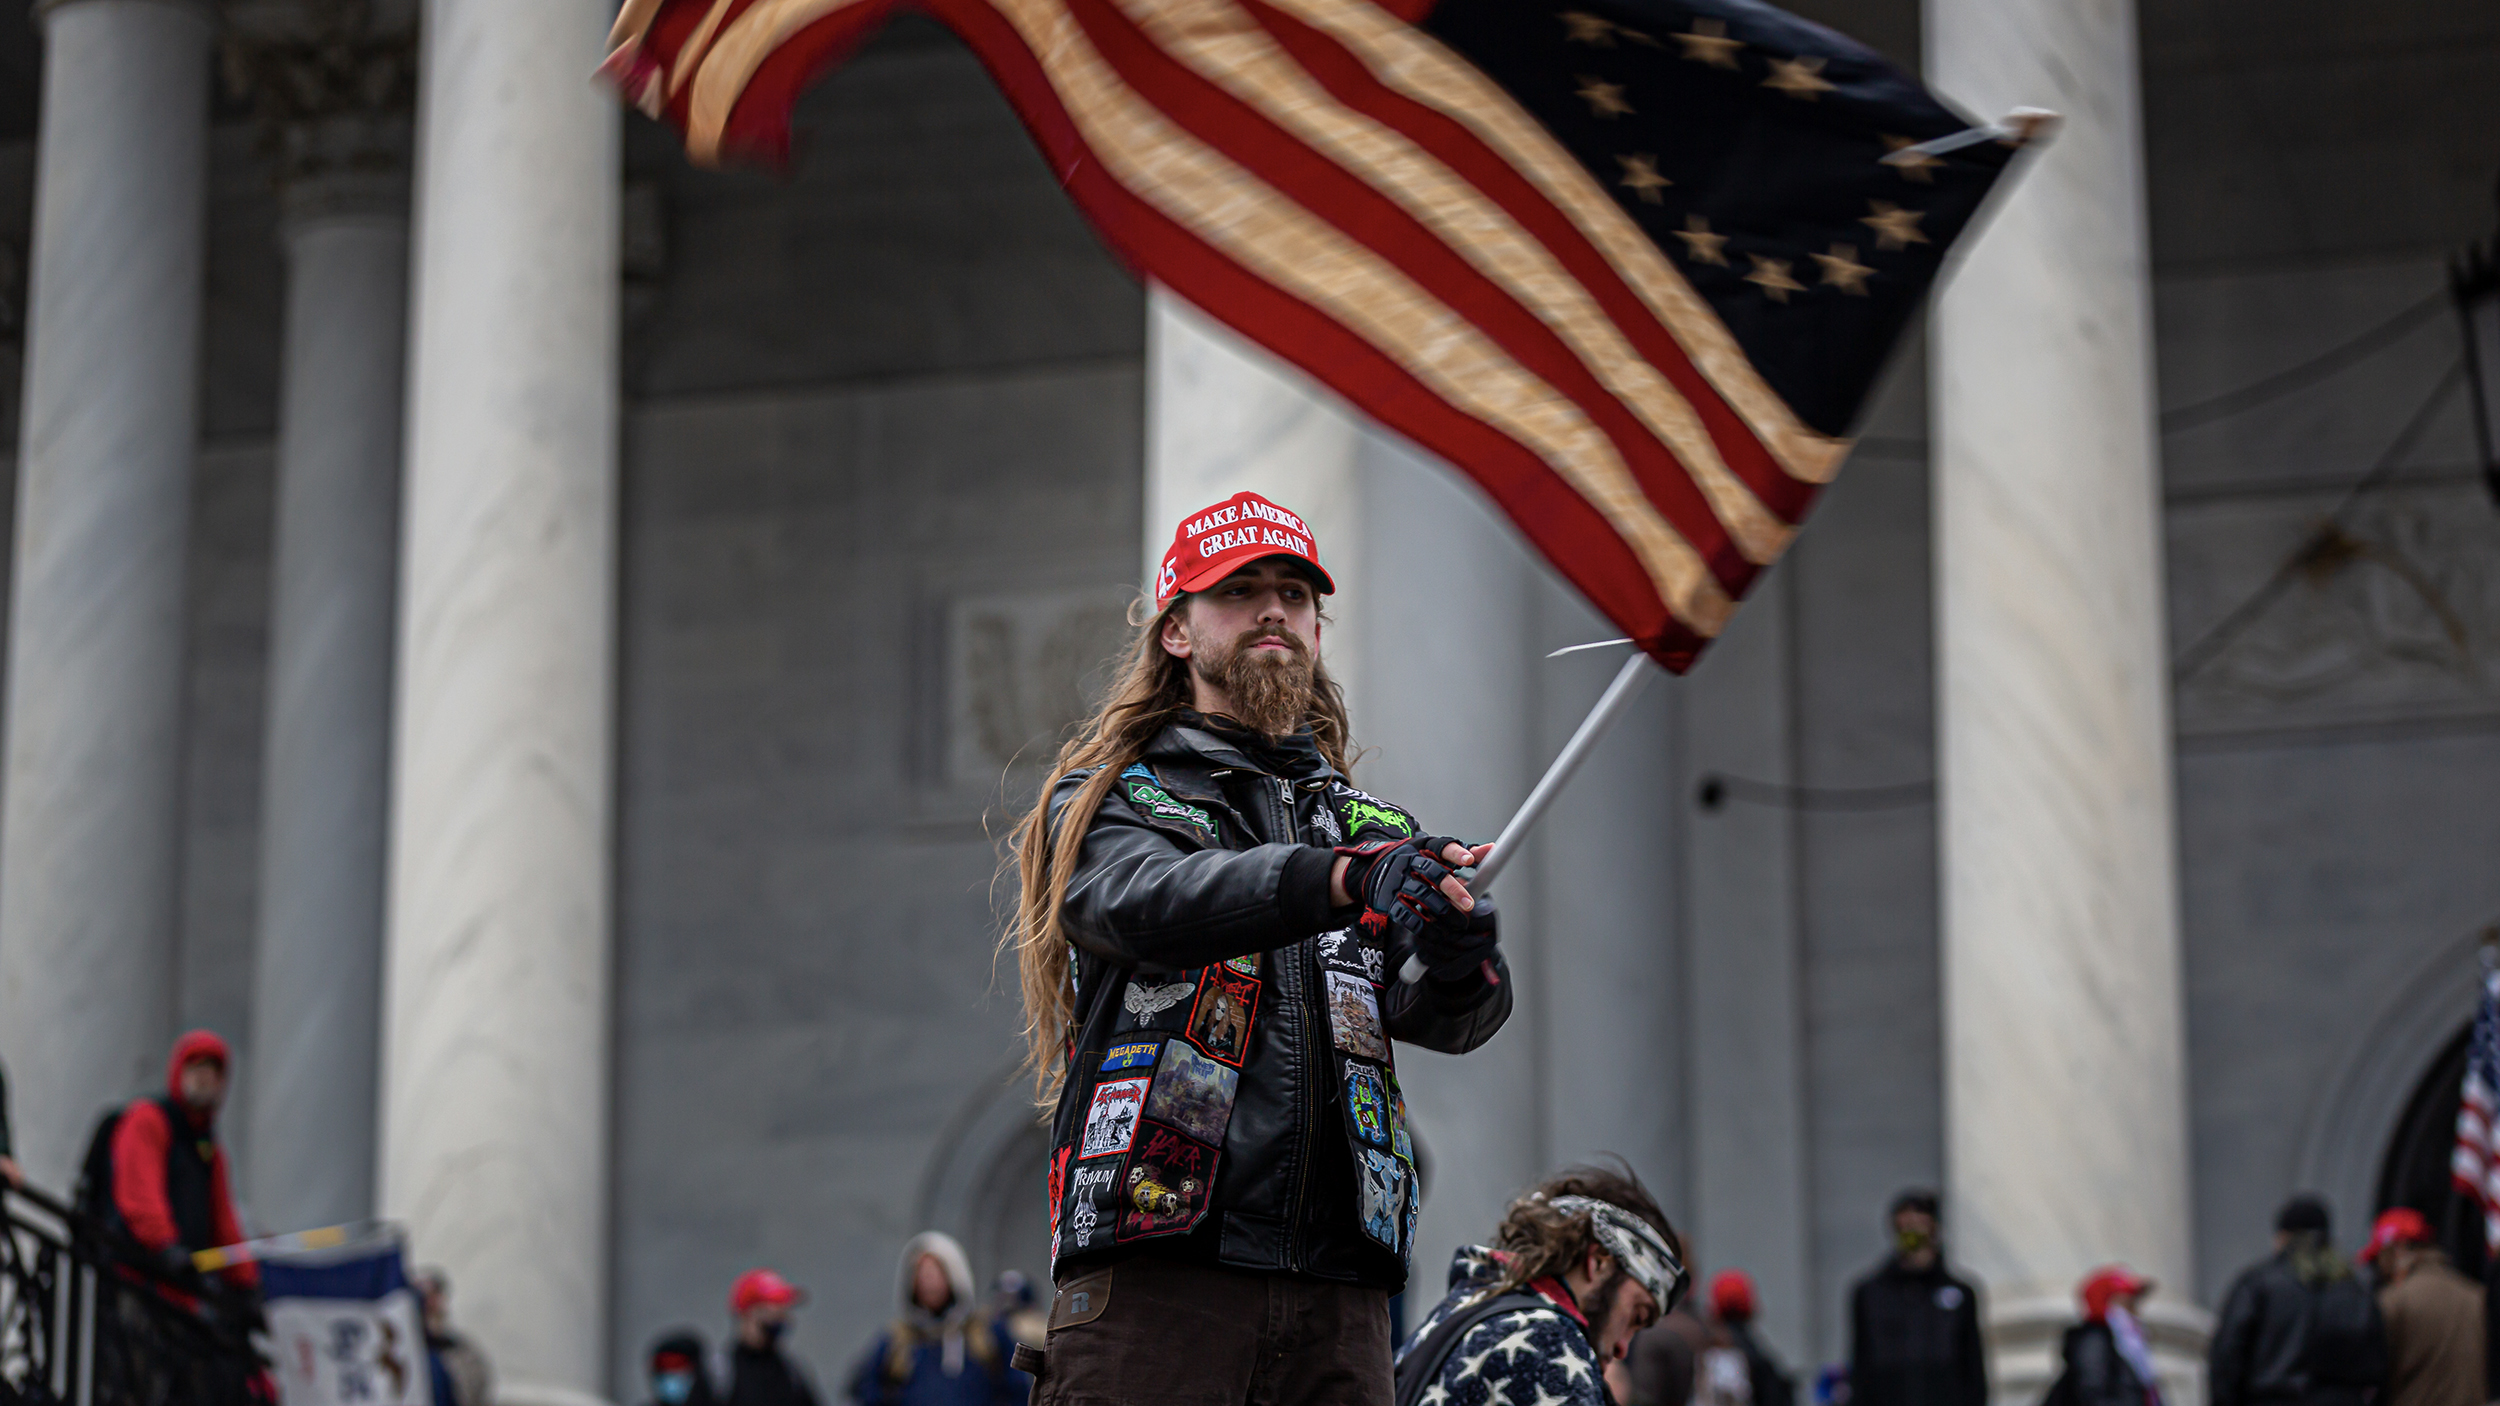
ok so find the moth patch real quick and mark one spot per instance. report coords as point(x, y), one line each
point(1354, 1016)
point(1111, 1119)
point(1090, 1194)
point(1146, 1000)
point(1221, 1024)
point(1193, 1093)
point(1366, 1104)
point(1135, 1055)
point(1384, 1182)
point(1168, 1182)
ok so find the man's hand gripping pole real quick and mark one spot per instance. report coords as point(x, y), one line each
point(1613, 704)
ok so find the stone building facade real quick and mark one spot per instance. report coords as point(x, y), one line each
point(538, 643)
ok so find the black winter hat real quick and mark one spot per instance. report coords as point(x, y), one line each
point(2303, 1212)
point(1917, 1198)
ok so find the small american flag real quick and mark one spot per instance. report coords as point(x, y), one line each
point(2475, 1167)
point(1631, 265)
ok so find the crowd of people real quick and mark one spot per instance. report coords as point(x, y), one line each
point(1218, 937)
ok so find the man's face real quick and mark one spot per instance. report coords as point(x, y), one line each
point(1914, 1233)
point(1621, 1314)
point(1250, 637)
point(930, 1287)
point(203, 1085)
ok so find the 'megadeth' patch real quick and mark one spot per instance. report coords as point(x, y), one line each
point(1149, 798)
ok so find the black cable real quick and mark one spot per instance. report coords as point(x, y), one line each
point(2196, 656)
point(2308, 373)
point(1717, 790)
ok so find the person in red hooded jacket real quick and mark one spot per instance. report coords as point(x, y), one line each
point(169, 1174)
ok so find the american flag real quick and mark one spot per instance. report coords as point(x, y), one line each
point(1631, 265)
point(2475, 1166)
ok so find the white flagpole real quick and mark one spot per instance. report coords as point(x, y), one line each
point(1629, 680)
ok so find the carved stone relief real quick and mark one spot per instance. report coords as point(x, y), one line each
point(1022, 666)
point(2394, 614)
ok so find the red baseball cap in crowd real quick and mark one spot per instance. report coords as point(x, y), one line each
point(1213, 543)
point(2109, 1282)
point(1731, 1296)
point(763, 1286)
point(2400, 1226)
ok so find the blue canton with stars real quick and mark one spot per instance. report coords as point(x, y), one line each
point(1749, 145)
point(1529, 1357)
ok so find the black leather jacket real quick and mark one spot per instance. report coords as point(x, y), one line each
point(1230, 1096)
point(2286, 1342)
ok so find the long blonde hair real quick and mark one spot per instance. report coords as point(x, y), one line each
point(1149, 689)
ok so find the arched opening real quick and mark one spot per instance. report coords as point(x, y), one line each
point(2415, 1172)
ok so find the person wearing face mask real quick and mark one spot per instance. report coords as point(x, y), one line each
point(1913, 1324)
point(760, 1373)
point(947, 1349)
point(677, 1373)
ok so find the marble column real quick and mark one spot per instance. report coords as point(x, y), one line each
point(1222, 416)
point(494, 1141)
point(326, 758)
point(2065, 1081)
point(88, 836)
point(1752, 1200)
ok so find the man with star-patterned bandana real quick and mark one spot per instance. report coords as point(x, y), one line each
point(1580, 1265)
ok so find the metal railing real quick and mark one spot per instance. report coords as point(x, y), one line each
point(86, 1319)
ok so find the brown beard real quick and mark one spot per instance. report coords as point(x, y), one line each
point(1271, 691)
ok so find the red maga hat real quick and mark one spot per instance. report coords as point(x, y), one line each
point(1213, 543)
point(763, 1286)
point(2108, 1283)
point(2402, 1225)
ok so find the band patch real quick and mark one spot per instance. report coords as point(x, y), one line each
point(1247, 966)
point(1401, 1142)
point(1146, 795)
point(1137, 1055)
point(1169, 1181)
point(1227, 1001)
point(1149, 1001)
point(1111, 1119)
point(1193, 1093)
point(1346, 950)
point(1366, 1104)
point(1058, 1176)
point(1354, 1016)
point(1093, 1191)
point(1384, 1185)
point(1365, 812)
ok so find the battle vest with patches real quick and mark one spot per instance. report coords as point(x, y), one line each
point(1243, 1111)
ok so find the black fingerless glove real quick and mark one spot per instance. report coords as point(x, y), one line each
point(1400, 880)
point(1454, 953)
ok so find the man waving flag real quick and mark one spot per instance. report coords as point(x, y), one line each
point(1631, 265)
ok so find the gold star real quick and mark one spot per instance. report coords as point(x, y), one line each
point(1700, 245)
point(1708, 43)
point(1895, 228)
point(1588, 29)
point(1604, 99)
point(1798, 78)
point(1772, 277)
point(1917, 166)
point(1842, 270)
point(1640, 174)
